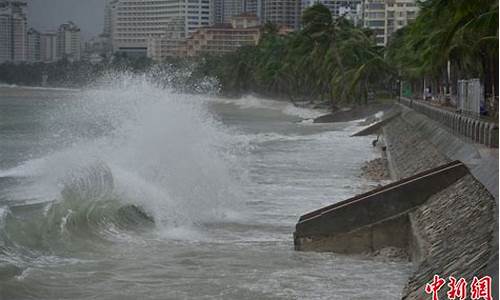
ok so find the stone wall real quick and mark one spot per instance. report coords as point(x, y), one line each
point(409, 151)
point(455, 230)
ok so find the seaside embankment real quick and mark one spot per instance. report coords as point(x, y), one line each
point(441, 207)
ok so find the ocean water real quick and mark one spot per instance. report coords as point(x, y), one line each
point(130, 191)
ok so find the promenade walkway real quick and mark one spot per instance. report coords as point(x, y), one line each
point(480, 131)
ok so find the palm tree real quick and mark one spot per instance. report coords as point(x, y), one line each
point(460, 33)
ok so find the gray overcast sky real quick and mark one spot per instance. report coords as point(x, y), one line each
point(49, 14)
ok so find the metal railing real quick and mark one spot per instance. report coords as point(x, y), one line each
point(477, 130)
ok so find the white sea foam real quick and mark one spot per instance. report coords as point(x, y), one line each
point(379, 114)
point(285, 107)
point(163, 149)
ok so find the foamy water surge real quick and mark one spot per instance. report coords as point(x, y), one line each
point(151, 156)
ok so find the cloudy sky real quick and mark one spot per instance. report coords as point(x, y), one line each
point(49, 14)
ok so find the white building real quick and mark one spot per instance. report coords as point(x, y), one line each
point(384, 17)
point(399, 14)
point(13, 31)
point(48, 47)
point(232, 8)
point(224, 10)
point(253, 7)
point(134, 22)
point(282, 12)
point(69, 42)
point(33, 52)
point(108, 17)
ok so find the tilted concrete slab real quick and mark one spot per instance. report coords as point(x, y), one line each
point(366, 222)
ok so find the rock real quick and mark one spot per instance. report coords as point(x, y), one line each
point(376, 169)
point(391, 253)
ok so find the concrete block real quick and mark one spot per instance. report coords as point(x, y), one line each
point(392, 232)
point(383, 203)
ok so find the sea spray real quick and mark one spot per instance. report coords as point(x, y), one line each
point(129, 148)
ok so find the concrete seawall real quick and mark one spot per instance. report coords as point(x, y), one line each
point(455, 231)
point(452, 230)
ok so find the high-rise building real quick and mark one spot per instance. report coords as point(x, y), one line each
point(398, 14)
point(108, 17)
point(384, 17)
point(253, 7)
point(13, 31)
point(107, 33)
point(224, 10)
point(48, 47)
point(134, 22)
point(5, 32)
point(232, 8)
point(218, 11)
point(282, 12)
point(374, 18)
point(19, 36)
point(33, 54)
point(69, 42)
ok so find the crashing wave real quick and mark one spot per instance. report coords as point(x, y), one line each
point(88, 211)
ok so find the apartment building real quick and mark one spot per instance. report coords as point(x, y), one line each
point(33, 51)
point(253, 7)
point(18, 44)
point(135, 22)
point(232, 8)
point(384, 17)
point(69, 42)
point(108, 17)
point(13, 31)
point(282, 12)
point(224, 10)
point(399, 13)
point(244, 30)
point(374, 18)
point(161, 48)
point(48, 47)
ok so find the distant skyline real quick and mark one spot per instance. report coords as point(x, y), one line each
point(46, 15)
